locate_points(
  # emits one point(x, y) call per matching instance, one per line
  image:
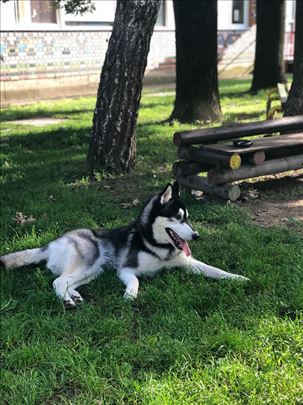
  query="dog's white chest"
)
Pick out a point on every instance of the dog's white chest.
point(149, 264)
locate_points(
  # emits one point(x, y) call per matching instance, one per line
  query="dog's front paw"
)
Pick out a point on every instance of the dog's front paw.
point(241, 278)
point(130, 295)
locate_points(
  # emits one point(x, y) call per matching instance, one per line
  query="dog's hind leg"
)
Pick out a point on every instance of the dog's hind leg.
point(81, 278)
point(65, 285)
point(61, 285)
point(197, 267)
point(76, 296)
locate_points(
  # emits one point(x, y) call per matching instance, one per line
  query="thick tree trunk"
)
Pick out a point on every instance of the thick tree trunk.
point(196, 66)
point(294, 104)
point(269, 57)
point(113, 140)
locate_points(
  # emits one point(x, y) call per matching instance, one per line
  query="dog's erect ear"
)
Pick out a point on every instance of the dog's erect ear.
point(166, 194)
point(176, 189)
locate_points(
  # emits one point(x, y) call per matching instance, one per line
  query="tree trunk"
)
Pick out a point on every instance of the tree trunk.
point(269, 57)
point(113, 140)
point(197, 95)
point(294, 104)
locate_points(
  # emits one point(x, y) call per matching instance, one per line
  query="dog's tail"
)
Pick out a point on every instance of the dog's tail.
point(24, 257)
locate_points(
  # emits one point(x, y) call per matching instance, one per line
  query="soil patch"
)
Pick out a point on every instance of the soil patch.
point(276, 200)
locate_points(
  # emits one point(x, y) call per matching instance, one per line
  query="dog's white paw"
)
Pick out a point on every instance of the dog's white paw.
point(69, 304)
point(130, 295)
point(241, 278)
point(76, 297)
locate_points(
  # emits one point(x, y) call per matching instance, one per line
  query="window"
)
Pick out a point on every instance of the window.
point(43, 11)
point(238, 12)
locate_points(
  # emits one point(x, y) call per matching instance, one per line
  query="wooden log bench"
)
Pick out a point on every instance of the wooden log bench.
point(279, 93)
point(279, 150)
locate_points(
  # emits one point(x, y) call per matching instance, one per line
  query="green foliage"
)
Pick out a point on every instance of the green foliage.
point(185, 340)
point(73, 6)
point(76, 6)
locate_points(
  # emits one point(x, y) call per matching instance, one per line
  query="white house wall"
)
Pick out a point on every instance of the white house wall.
point(46, 55)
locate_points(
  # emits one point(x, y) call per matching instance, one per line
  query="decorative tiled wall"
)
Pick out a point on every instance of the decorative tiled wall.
point(56, 54)
point(39, 55)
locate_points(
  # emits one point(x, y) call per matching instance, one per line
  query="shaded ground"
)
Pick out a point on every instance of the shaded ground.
point(277, 200)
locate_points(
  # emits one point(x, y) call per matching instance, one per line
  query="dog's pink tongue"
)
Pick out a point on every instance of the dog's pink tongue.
point(185, 248)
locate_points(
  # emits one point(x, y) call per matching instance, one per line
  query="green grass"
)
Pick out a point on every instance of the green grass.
point(185, 340)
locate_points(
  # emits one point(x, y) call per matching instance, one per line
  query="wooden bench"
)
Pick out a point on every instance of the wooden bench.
point(277, 93)
point(279, 150)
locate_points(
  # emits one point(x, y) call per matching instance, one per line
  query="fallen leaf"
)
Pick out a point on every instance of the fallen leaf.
point(131, 204)
point(21, 219)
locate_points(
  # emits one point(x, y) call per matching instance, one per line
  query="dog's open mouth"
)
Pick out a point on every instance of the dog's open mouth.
point(179, 243)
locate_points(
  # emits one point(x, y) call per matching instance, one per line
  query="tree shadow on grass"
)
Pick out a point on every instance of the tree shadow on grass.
point(235, 95)
point(49, 138)
point(156, 104)
point(57, 159)
point(230, 118)
point(19, 115)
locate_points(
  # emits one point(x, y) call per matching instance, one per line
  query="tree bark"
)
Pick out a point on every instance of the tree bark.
point(269, 57)
point(294, 104)
point(113, 139)
point(197, 97)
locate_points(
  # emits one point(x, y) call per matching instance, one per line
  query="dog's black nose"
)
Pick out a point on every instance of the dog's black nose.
point(195, 235)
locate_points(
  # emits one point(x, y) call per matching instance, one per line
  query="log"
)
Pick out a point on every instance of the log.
point(265, 143)
point(256, 158)
point(209, 135)
point(228, 191)
point(284, 152)
point(232, 161)
point(187, 168)
point(246, 172)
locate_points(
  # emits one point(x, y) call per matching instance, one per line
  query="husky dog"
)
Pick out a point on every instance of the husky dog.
point(156, 240)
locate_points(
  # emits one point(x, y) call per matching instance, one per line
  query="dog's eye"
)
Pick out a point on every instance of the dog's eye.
point(179, 217)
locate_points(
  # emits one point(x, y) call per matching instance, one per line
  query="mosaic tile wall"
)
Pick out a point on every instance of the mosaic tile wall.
point(40, 55)
point(57, 54)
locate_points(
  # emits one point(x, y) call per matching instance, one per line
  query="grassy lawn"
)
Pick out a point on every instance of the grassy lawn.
point(185, 340)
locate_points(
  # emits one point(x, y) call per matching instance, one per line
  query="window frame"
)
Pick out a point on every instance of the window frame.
point(242, 25)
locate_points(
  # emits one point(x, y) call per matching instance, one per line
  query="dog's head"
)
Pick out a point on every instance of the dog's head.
point(165, 220)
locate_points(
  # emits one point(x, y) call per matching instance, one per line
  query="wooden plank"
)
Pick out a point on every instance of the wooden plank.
point(282, 92)
point(227, 191)
point(262, 144)
point(209, 135)
point(246, 172)
point(232, 160)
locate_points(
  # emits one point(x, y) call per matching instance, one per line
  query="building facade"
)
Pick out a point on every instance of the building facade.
point(45, 51)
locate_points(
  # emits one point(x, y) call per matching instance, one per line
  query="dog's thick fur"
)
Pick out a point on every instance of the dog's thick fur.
point(157, 239)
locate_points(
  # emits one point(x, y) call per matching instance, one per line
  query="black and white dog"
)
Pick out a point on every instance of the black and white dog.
point(156, 240)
